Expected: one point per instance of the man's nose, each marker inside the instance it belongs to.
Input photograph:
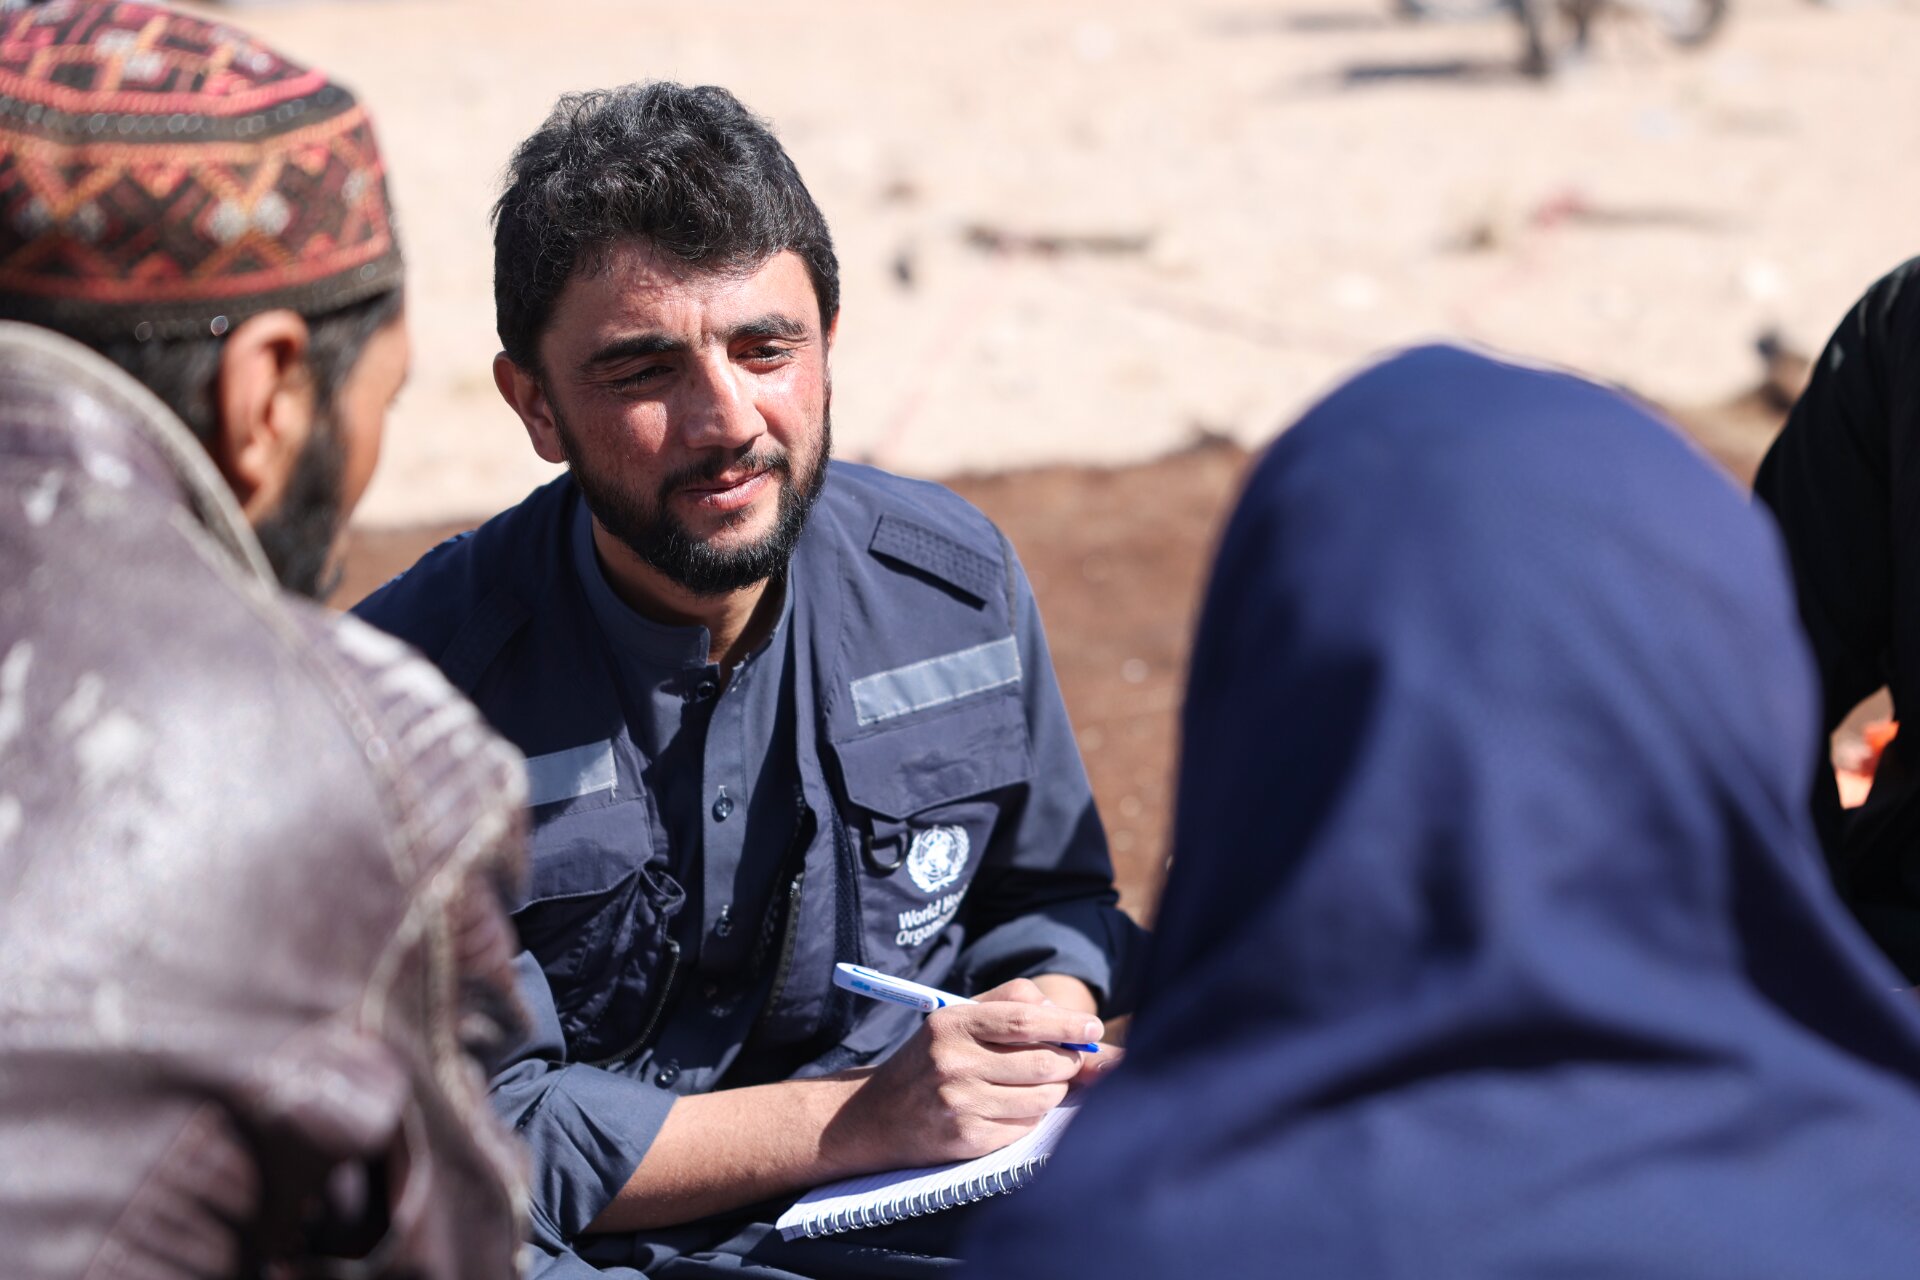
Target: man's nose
(719, 411)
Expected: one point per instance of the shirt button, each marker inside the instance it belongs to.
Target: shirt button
(668, 1073)
(707, 687)
(724, 925)
(722, 806)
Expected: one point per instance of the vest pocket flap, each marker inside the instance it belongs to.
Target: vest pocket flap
(978, 747)
(598, 920)
(588, 851)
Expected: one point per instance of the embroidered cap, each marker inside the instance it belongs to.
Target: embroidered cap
(164, 176)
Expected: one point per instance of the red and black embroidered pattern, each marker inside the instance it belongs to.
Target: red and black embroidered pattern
(161, 175)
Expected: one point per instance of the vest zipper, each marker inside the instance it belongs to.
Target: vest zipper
(632, 1051)
(789, 935)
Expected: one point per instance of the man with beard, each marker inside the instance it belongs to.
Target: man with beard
(782, 713)
(254, 287)
(251, 852)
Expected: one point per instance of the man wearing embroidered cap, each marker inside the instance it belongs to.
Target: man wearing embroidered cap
(251, 852)
(784, 713)
(213, 219)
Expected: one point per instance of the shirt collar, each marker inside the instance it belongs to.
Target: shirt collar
(631, 631)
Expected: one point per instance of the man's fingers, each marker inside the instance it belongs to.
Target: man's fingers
(1008, 1022)
(1093, 1066)
(1019, 991)
(1029, 1065)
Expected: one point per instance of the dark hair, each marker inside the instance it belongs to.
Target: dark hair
(691, 170)
(184, 371)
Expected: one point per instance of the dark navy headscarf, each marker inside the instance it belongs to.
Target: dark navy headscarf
(1496, 943)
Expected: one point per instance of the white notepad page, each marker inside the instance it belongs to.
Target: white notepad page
(876, 1199)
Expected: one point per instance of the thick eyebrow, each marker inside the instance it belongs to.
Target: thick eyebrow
(633, 347)
(639, 346)
(772, 325)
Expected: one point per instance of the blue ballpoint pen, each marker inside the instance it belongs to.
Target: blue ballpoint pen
(879, 986)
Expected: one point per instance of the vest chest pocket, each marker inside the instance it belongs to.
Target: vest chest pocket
(597, 917)
(925, 798)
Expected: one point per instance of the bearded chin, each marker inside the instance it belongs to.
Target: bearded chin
(651, 531)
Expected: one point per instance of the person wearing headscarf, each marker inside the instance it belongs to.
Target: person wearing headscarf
(1844, 483)
(253, 855)
(1496, 943)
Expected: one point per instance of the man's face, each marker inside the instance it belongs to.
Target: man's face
(692, 407)
(302, 532)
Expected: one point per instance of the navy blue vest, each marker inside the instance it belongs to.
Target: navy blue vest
(907, 682)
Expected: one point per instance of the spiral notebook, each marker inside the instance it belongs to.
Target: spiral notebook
(879, 1198)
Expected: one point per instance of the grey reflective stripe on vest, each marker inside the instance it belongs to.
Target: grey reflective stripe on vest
(935, 681)
(563, 775)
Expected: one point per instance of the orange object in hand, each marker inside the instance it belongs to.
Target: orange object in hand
(1857, 781)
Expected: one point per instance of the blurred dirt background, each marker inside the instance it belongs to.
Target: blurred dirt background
(1094, 251)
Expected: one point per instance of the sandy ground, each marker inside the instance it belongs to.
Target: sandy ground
(1274, 191)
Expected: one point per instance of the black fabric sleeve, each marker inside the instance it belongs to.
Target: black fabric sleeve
(1828, 481)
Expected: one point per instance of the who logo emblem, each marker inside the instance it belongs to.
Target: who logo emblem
(938, 856)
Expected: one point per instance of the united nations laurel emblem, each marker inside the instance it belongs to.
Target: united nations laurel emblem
(938, 856)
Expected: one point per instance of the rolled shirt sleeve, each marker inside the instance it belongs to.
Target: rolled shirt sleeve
(1045, 901)
(586, 1128)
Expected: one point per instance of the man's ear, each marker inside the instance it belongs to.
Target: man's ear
(264, 400)
(526, 396)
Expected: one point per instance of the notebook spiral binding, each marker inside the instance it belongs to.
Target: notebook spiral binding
(879, 1215)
